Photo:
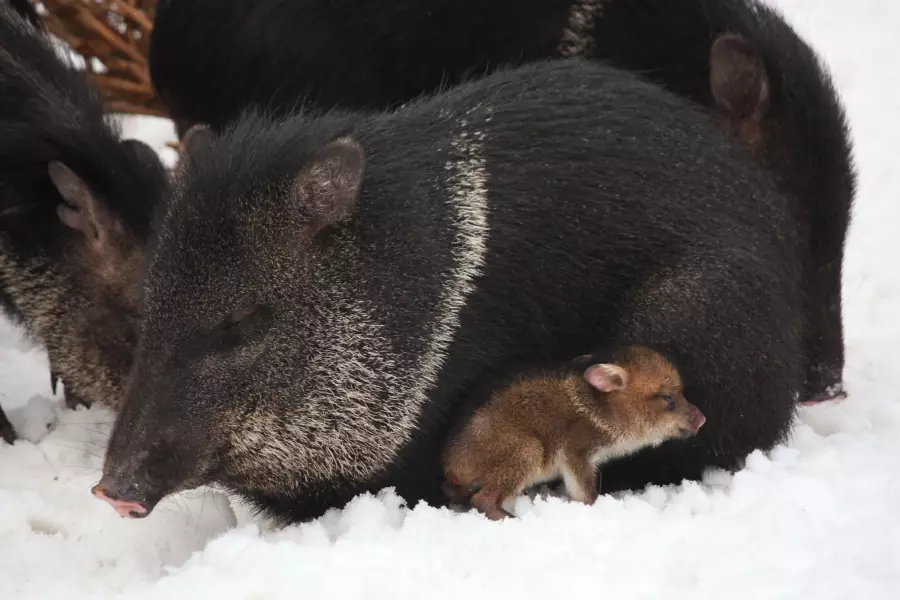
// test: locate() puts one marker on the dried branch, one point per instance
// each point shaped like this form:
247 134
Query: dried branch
115 33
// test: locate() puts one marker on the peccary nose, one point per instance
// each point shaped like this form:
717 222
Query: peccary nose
122 500
695 418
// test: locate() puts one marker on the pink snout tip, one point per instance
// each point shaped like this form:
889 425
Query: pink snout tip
696 418
126 509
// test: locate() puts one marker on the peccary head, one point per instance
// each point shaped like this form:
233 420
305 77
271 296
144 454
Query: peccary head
76 205
252 355
795 125
645 394
71 258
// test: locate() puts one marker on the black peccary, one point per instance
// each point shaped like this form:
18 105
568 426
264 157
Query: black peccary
76 204
764 85
325 291
28 11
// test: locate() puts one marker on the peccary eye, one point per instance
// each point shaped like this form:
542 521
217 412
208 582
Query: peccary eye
670 402
240 329
248 324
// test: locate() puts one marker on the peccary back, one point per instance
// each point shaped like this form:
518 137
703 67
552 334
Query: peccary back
75 210
327 290
761 82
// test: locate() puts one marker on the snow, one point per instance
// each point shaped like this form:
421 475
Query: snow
814 518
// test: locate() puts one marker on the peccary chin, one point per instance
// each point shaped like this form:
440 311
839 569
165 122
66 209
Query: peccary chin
512 220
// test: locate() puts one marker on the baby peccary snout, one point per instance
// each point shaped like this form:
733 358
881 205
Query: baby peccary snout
566 423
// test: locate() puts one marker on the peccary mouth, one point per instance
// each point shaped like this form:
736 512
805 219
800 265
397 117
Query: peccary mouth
126 501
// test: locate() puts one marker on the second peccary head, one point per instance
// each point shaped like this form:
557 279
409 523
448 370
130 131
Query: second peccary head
76 205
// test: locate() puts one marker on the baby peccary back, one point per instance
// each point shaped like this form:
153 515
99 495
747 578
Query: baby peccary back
565 424
76 203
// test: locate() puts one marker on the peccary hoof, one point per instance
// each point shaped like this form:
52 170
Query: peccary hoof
73 400
832 394
6 429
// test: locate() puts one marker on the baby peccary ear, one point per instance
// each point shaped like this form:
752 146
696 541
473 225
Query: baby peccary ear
738 79
329 184
81 211
606 378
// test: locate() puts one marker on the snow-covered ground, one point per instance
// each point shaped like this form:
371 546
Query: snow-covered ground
817 518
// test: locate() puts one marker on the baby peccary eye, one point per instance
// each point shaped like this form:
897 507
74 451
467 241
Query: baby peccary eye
670 402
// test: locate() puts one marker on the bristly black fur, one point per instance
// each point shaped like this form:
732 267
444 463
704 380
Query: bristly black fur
78 303
28 11
518 220
210 60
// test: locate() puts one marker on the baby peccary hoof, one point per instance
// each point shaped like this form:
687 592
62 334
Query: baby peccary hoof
7 433
488 503
457 493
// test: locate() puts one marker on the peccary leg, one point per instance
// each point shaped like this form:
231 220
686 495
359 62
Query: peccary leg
488 501
457 493
824 344
72 399
580 479
7 433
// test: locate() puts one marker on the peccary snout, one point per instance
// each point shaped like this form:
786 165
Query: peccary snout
692 421
124 499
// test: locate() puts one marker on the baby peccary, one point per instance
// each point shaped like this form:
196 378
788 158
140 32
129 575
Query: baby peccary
76 205
564 424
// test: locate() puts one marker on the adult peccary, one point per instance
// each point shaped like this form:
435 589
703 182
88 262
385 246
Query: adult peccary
762 83
75 211
326 291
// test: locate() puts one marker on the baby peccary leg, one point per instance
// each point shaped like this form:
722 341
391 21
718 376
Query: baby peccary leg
580 479
488 500
458 493
7 433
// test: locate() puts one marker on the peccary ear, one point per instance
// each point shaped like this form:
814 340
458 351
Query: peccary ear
81 211
197 136
329 184
143 152
606 377
738 78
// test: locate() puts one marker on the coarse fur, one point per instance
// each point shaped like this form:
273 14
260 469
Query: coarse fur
739 58
325 291
76 205
565 423
28 11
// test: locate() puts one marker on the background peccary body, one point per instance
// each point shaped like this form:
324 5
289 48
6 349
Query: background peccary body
306 336
763 84
75 209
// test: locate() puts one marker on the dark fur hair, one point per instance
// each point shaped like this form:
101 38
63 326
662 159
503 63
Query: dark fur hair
76 204
211 60
28 11
327 291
